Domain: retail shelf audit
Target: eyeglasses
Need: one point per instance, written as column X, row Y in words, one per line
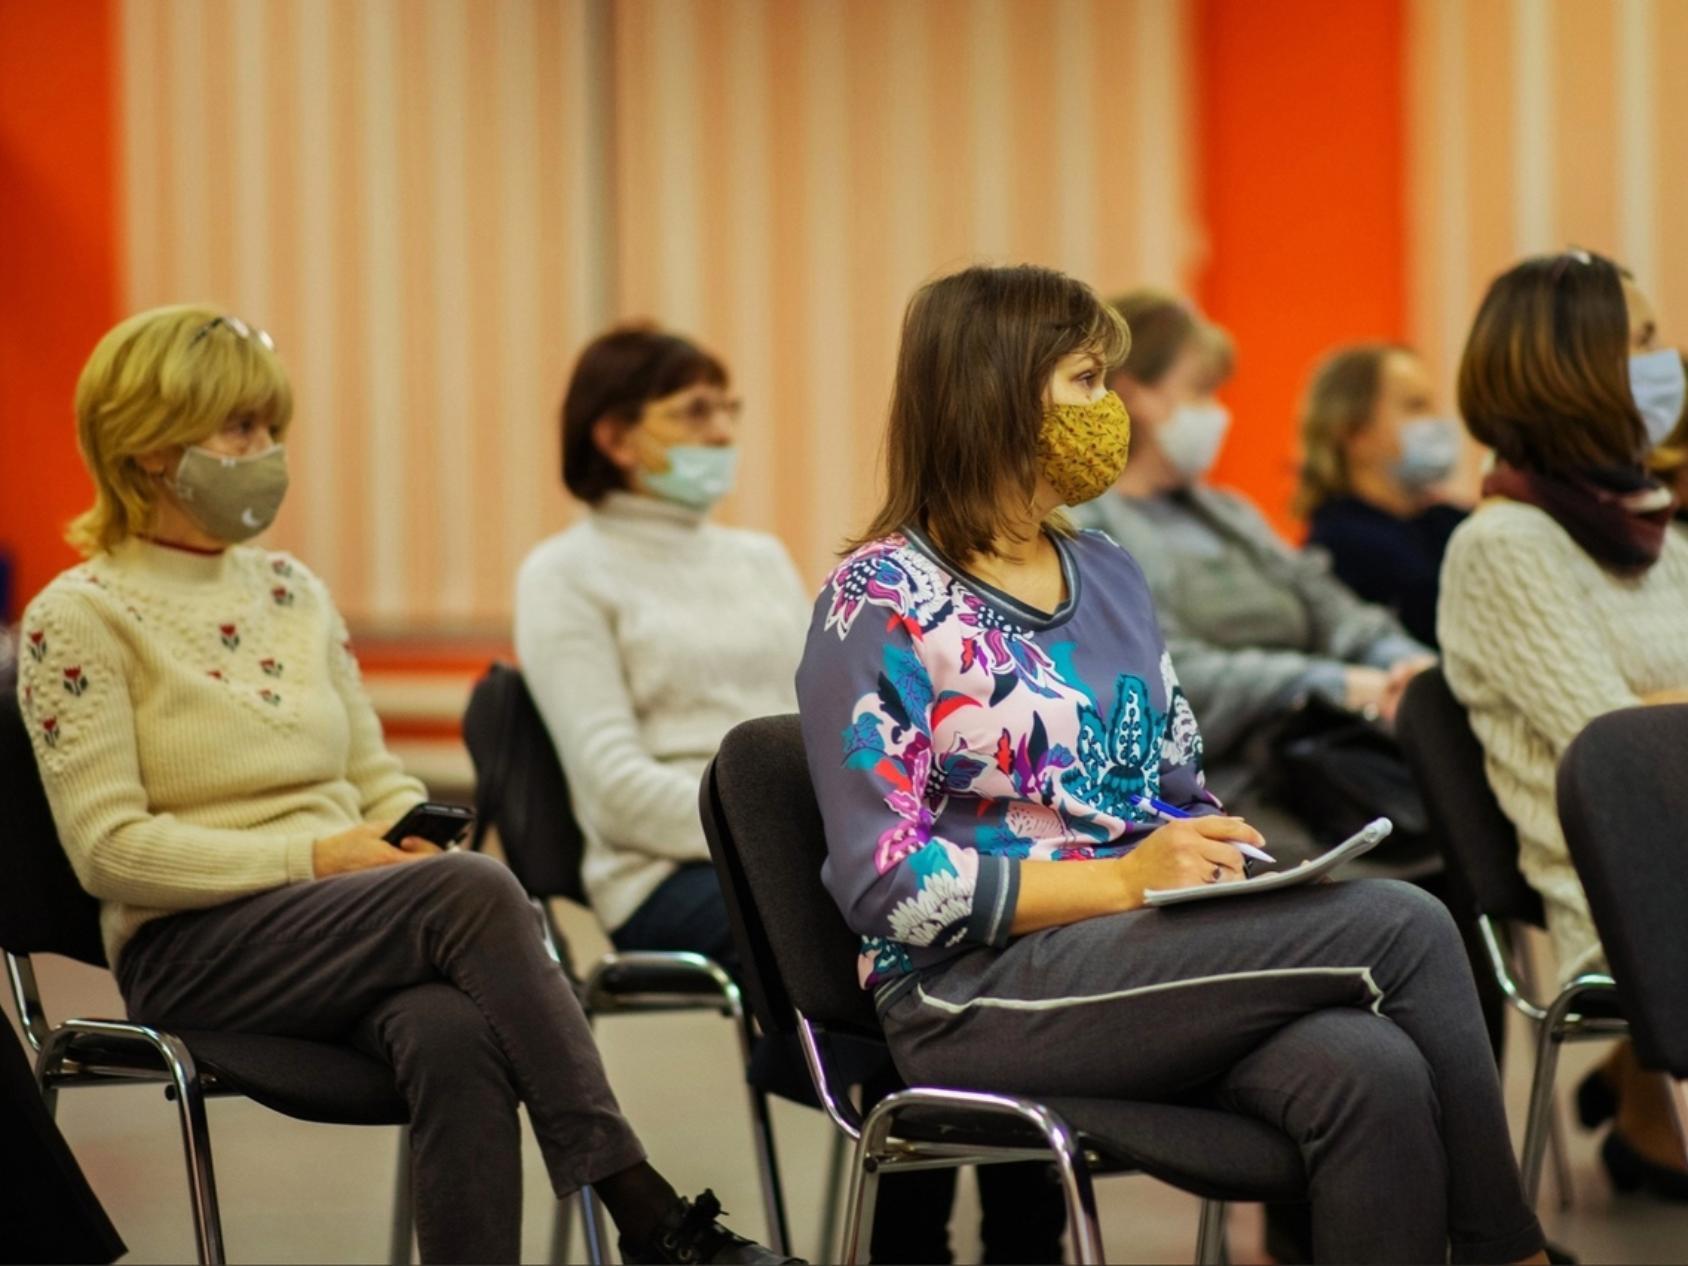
column 701, row 411
column 238, row 327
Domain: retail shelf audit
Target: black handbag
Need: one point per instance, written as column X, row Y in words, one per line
column 1337, row 771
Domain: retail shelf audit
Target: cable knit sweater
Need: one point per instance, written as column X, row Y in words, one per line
column 645, row 633
column 199, row 723
column 1538, row 640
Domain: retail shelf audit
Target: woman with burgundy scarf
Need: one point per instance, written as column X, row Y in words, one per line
column 1565, row 595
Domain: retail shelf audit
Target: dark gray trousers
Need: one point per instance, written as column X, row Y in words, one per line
column 436, row 967
column 1343, row 1014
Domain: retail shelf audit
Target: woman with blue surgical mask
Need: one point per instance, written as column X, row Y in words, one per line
column 1255, row 627
column 1565, row 595
column 1375, row 455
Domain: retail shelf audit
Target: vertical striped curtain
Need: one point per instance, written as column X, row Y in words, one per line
column 1536, row 125
column 432, row 205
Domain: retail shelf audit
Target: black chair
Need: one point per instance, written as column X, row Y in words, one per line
column 766, row 838
column 1623, row 802
column 44, row 910
column 521, row 792
column 1481, row 847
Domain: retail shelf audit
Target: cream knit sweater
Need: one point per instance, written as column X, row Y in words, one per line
column 199, row 723
column 1537, row 640
column 645, row 633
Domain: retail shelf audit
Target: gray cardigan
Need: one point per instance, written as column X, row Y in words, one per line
column 1253, row 626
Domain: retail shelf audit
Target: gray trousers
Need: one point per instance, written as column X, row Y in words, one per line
column 436, row 967
column 1343, row 1014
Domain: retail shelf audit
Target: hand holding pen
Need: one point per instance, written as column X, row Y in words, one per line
column 1171, row 813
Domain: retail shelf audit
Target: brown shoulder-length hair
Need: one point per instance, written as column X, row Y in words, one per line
column 977, row 351
column 1340, row 401
column 617, row 375
column 1544, row 380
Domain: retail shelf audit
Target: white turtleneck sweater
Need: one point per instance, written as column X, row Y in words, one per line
column 645, row 633
column 199, row 723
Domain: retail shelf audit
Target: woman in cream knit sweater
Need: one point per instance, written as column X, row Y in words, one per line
column 1565, row 595
column 219, row 781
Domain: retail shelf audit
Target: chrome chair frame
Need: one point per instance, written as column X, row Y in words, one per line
column 599, row 996
column 879, row 1149
column 1554, row 1022
column 161, row 1058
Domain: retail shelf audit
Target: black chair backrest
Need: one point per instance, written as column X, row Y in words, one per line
column 1477, row 839
column 767, row 843
column 1623, row 801
column 519, row 786
column 43, row 909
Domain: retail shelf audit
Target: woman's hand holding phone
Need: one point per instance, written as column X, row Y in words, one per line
column 362, row 847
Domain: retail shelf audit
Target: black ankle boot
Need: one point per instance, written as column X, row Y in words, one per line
column 1629, row 1170
column 1597, row 1102
column 689, row 1232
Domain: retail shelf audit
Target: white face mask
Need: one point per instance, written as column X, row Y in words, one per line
column 1429, row 452
column 1659, row 386
column 1192, row 437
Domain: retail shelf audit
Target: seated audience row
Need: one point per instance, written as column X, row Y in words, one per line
column 1006, row 750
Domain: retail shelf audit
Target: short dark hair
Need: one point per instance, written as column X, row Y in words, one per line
column 1545, row 376
column 617, row 375
column 977, row 351
column 1162, row 325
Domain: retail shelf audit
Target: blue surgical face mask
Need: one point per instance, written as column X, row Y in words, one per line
column 1429, row 452
column 698, row 475
column 1659, row 386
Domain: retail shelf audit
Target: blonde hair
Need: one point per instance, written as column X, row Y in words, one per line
column 165, row 378
column 1340, row 401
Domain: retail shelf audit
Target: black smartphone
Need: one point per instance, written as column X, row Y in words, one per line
column 437, row 823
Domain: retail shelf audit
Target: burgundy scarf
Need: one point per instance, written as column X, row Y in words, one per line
column 1618, row 516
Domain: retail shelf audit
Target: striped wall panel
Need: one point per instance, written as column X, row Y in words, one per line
column 431, row 204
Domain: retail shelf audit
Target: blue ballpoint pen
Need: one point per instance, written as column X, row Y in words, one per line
column 1171, row 813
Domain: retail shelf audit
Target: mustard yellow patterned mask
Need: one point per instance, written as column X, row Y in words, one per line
column 1082, row 447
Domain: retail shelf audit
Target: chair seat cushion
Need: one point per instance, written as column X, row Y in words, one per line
column 313, row 1081
column 1220, row 1155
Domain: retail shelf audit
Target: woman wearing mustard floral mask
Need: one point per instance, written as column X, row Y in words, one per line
column 992, row 721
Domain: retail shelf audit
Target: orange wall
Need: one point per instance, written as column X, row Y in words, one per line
column 58, row 267
column 1300, row 134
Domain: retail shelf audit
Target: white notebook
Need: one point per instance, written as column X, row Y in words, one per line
column 1362, row 841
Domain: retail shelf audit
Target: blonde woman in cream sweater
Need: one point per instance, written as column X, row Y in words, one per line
column 219, row 781
column 1565, row 595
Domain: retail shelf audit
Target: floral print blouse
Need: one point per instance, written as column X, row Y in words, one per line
column 953, row 732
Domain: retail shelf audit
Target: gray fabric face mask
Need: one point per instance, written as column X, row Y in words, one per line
column 232, row 498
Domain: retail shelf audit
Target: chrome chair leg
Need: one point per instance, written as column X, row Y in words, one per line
column 1536, row 1129
column 864, row 1193
column 1560, row 1154
column 1081, row 1202
column 196, row 1147
column 831, row 1196
column 592, row 1223
column 1210, row 1234
column 562, row 1224
column 404, row 1213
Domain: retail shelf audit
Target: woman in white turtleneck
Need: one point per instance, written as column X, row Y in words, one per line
column 645, row 632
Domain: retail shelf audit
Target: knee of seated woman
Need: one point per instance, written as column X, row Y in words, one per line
column 1403, row 904
column 476, row 878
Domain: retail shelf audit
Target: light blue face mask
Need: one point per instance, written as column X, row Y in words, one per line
column 1659, row 386
column 698, row 475
column 1429, row 452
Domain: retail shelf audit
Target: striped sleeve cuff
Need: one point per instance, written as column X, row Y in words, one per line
column 995, row 894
